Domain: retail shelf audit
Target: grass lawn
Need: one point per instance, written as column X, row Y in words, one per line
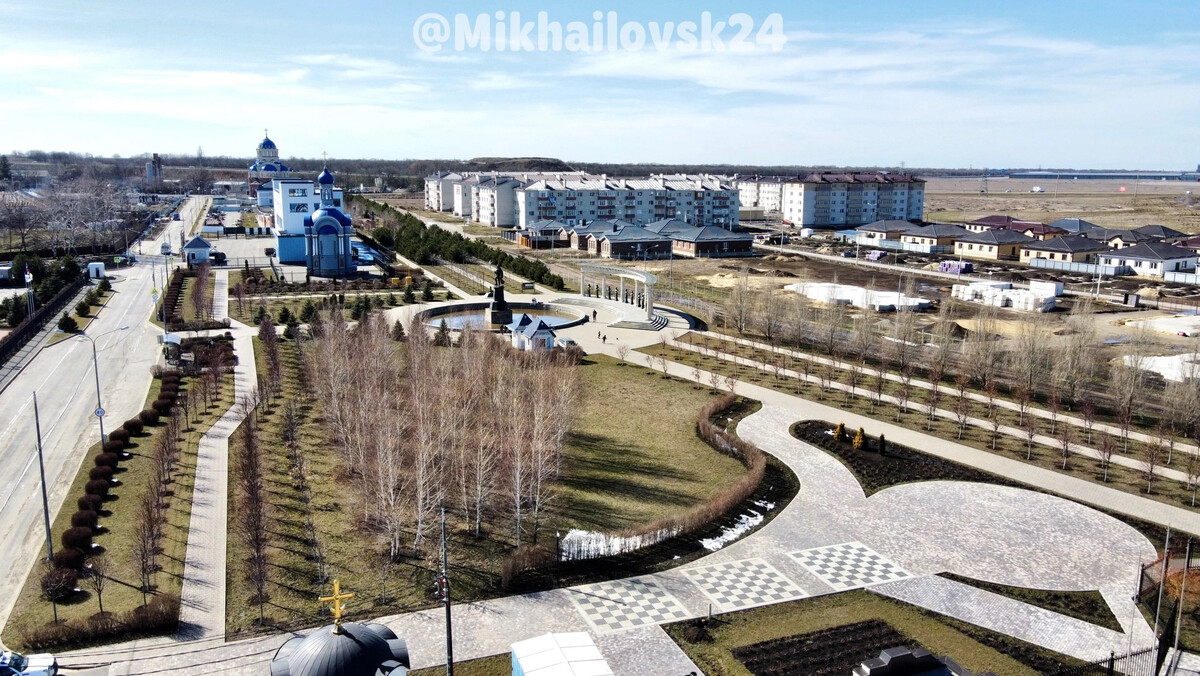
column 496, row 665
column 938, row 635
column 123, row 594
column 185, row 298
column 83, row 322
column 633, row 457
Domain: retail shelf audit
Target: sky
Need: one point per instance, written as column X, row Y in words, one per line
column 955, row 83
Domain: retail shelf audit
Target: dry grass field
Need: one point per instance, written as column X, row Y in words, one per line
column 1099, row 201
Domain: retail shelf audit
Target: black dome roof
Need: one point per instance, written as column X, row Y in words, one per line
column 358, row 650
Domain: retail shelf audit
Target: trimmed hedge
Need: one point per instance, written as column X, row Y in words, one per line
column 88, row 520
column 160, row 616
column 120, row 434
column 77, row 538
column 99, row 488
column 89, row 502
column 149, row 416
column 102, row 472
column 108, row 460
column 160, row 407
column 133, row 426
column 113, row 447
column 59, row 584
column 69, row 558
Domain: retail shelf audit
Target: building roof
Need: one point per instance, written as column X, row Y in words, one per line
column 1038, row 229
column 998, row 221
column 1160, row 232
column 1068, row 244
column 668, row 226
column 560, row 654
column 600, row 226
column 325, row 178
column 1108, row 234
column 267, row 144
column 939, row 231
column 878, row 177
column 1074, row 224
column 710, row 233
column 889, row 225
column 633, row 233
column 997, row 236
column 545, row 224
column 198, row 242
column 1153, row 251
column 357, row 650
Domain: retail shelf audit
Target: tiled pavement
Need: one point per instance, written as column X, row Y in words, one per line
column 991, row 532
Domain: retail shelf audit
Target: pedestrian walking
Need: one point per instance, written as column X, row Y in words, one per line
column 604, row 340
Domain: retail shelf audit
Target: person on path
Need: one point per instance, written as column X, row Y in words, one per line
column 593, row 315
column 604, row 340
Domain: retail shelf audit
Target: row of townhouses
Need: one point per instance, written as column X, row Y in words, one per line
column 517, row 200
column 1069, row 244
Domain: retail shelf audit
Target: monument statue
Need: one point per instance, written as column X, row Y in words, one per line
column 498, row 312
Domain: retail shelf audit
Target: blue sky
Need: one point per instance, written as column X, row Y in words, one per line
column 952, row 84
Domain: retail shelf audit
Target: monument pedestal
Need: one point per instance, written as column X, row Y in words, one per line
column 498, row 313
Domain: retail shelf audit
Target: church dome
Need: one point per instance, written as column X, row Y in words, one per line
column 267, row 144
column 357, row 650
column 325, row 178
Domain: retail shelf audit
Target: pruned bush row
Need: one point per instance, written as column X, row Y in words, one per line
column 160, row 616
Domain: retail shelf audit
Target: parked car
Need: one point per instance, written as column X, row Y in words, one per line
column 12, row 664
column 165, row 249
column 175, row 216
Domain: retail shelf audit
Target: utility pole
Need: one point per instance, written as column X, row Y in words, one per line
column 445, row 585
column 37, row 421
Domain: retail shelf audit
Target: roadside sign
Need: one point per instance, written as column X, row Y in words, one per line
column 99, row 413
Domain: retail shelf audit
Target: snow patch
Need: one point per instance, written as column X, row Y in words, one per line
column 744, row 523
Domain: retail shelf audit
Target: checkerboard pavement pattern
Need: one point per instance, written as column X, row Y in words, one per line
column 849, row 565
column 624, row 604
column 744, row 584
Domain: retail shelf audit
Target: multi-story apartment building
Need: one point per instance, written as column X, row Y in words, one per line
column 439, row 190
column 833, row 200
column 515, row 200
column 762, row 192
column 699, row 200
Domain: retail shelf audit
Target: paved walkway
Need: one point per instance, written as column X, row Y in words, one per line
column 202, row 614
column 220, row 299
column 917, row 384
column 921, row 409
column 830, row 538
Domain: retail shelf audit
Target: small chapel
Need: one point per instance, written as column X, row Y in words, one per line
column 327, row 233
column 343, row 648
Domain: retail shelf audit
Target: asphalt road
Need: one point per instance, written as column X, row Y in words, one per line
column 62, row 376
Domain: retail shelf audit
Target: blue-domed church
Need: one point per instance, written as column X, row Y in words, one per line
column 267, row 166
column 327, row 233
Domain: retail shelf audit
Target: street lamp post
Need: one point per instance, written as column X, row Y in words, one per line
column 96, row 368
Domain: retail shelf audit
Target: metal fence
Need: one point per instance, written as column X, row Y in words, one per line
column 26, row 330
column 1142, row 662
column 1181, row 278
column 1083, row 268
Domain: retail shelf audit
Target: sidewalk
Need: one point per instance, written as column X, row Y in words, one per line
column 202, row 612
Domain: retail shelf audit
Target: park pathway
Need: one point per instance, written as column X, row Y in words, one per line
column 831, row 537
column 919, row 384
column 202, row 613
column 920, row 408
column 220, row 299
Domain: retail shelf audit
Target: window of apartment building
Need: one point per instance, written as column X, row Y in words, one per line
column 299, row 208
column 297, row 192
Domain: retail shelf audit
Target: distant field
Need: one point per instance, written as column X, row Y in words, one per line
column 1099, row 201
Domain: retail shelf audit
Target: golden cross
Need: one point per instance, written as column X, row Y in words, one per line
column 335, row 607
column 265, row 134
column 325, row 157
